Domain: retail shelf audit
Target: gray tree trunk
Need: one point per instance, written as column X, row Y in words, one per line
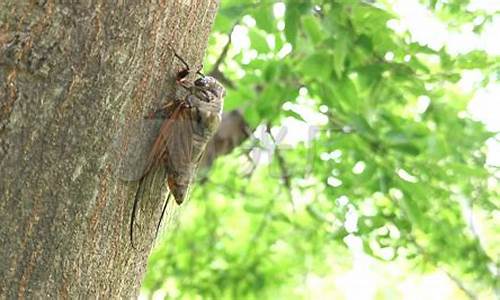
column 72, row 75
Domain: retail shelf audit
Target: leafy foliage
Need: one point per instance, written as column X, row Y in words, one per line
column 395, row 160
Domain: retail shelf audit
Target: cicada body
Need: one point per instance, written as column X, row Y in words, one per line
column 183, row 136
column 182, row 130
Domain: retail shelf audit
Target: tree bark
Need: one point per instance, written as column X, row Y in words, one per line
column 72, row 75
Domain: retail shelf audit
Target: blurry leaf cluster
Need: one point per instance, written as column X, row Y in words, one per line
column 389, row 156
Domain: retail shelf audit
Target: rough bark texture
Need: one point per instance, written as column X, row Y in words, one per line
column 72, row 73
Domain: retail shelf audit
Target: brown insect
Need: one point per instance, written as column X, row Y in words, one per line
column 188, row 125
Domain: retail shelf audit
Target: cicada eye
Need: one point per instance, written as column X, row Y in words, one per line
column 201, row 82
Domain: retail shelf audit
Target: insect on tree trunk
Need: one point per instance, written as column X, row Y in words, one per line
column 72, row 76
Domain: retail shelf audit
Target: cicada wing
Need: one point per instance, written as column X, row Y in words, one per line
column 159, row 148
column 174, row 148
column 178, row 159
column 132, row 147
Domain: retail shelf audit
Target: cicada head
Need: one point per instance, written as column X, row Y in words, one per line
column 211, row 85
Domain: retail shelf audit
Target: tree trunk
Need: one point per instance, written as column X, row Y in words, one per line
column 72, row 75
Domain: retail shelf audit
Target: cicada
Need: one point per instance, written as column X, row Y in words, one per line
column 187, row 126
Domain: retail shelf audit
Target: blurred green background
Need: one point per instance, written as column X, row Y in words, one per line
column 372, row 172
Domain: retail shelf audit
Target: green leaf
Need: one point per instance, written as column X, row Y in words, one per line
column 474, row 59
column 271, row 72
column 264, row 18
column 292, row 113
column 258, row 40
column 317, row 65
column 345, row 92
column 269, row 100
column 313, row 28
column 361, row 125
column 252, row 208
column 341, row 47
column 292, row 21
column 252, row 116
